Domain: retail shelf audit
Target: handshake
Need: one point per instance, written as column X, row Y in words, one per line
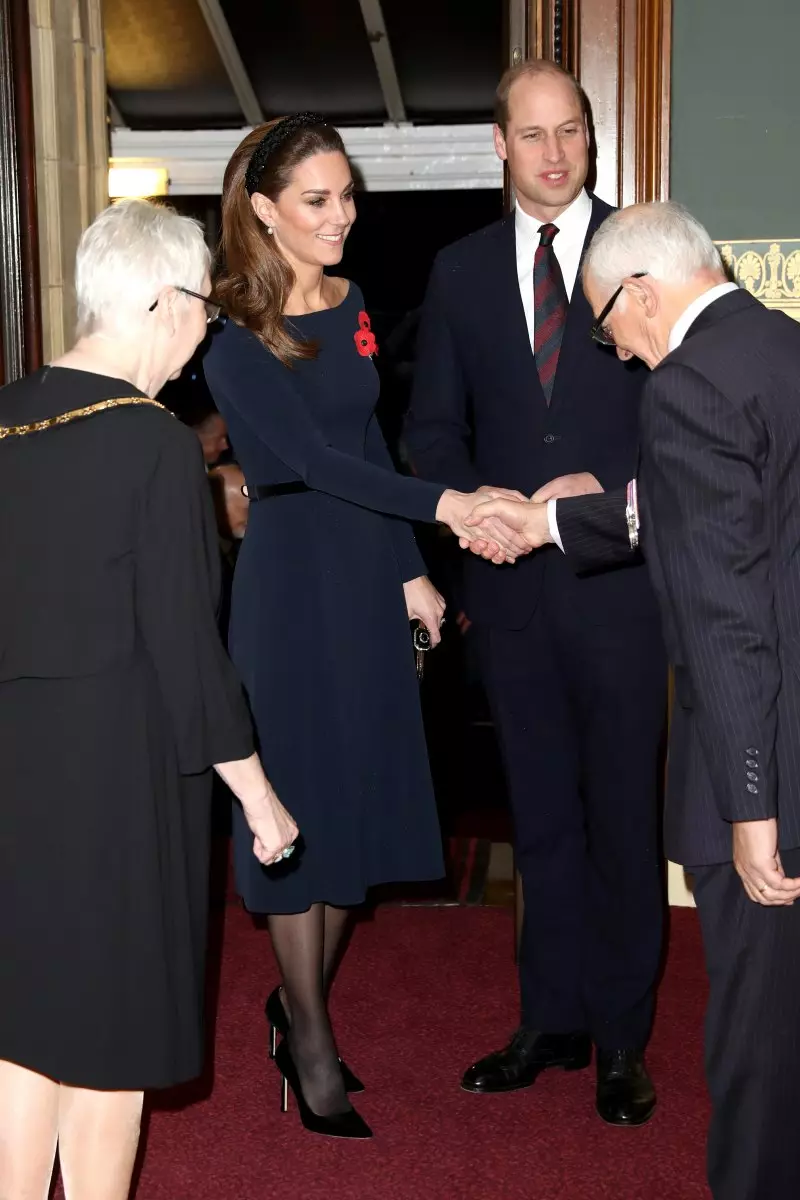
column 501, row 525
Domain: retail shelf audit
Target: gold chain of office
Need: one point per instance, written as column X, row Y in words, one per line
column 76, row 414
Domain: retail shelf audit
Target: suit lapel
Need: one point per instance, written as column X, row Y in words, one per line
column 579, row 320
column 509, row 315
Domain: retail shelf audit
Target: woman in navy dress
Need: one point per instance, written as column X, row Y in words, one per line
column 326, row 582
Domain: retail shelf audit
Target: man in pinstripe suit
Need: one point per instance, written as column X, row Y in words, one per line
column 720, row 483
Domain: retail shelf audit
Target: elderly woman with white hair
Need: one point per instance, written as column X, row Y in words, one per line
column 116, row 699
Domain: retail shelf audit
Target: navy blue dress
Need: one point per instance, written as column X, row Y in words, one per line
column 319, row 631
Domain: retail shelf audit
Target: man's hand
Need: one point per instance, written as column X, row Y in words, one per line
column 758, row 862
column 526, row 519
column 582, row 484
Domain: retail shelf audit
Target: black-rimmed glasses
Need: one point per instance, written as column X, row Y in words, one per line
column 600, row 331
column 212, row 308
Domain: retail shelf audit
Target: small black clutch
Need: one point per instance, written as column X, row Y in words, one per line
column 422, row 642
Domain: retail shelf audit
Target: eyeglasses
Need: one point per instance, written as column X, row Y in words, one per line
column 600, row 331
column 212, row 308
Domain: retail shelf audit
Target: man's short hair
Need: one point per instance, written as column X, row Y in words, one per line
column 531, row 68
column 662, row 239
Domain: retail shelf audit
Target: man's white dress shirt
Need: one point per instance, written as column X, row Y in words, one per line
column 689, row 315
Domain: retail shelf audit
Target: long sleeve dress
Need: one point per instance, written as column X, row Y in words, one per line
column 319, row 630
column 116, row 696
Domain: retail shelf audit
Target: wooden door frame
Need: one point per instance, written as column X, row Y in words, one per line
column 20, row 296
column 619, row 50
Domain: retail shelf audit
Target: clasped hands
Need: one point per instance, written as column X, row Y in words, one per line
column 502, row 525
column 757, row 860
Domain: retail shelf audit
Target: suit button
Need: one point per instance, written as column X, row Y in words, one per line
column 751, row 787
column 549, row 438
column 752, row 776
column 751, row 762
column 751, row 750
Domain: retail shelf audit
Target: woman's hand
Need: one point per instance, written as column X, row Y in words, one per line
column 529, row 520
column 425, row 604
column 485, row 492
column 455, row 507
column 273, row 829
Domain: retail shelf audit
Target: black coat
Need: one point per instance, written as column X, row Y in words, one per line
column 116, row 696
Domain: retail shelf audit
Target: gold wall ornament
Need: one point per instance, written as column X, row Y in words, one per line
column 769, row 269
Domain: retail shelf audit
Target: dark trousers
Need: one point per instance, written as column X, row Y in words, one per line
column 752, row 1036
column 579, row 710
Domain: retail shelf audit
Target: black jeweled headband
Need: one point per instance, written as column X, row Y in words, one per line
column 270, row 142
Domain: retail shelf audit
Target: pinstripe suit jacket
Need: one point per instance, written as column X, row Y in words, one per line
column 720, row 487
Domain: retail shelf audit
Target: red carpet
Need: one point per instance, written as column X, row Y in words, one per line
column 421, row 993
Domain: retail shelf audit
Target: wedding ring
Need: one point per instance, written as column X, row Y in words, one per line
column 288, row 852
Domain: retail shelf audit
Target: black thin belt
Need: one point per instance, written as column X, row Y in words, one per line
column 263, row 491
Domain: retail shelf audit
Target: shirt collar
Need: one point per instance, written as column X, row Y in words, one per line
column 572, row 224
column 690, row 314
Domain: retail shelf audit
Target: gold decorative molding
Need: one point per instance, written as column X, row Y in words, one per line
column 769, row 269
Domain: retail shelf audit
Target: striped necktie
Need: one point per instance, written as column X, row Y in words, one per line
column 550, row 309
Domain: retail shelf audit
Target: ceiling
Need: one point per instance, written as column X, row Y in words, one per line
column 205, row 64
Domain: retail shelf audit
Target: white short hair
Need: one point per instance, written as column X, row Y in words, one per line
column 127, row 255
column 663, row 239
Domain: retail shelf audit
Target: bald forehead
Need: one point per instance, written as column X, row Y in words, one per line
column 544, row 86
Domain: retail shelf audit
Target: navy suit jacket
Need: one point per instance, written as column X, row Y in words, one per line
column 478, row 415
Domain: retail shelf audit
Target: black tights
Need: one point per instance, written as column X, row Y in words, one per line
column 307, row 947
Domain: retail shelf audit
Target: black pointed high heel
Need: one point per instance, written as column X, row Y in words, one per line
column 279, row 1024
column 342, row 1125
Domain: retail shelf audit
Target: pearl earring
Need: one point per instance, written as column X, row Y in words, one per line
column 269, row 229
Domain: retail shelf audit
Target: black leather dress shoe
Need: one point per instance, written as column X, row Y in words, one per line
column 525, row 1057
column 625, row 1092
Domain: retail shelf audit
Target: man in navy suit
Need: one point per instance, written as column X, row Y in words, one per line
column 509, row 385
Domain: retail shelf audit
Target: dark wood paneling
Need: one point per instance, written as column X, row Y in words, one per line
column 11, row 323
column 620, row 52
column 26, row 177
column 20, row 320
column 623, row 63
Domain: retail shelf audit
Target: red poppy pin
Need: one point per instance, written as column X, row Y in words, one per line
column 366, row 345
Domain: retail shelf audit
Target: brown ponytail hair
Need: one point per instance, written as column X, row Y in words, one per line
column 255, row 280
